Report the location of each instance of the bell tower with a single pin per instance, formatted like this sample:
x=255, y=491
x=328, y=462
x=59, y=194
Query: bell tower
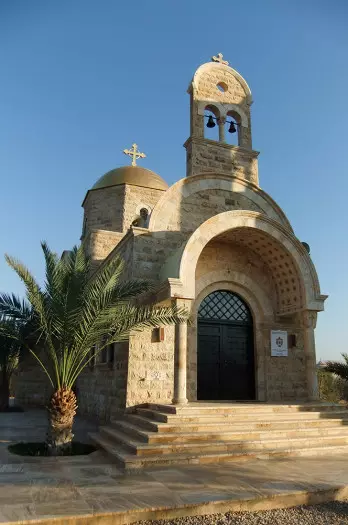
x=221, y=98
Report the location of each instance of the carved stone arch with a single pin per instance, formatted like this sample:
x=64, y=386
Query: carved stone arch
x=213, y=106
x=171, y=201
x=224, y=110
x=143, y=206
x=290, y=249
x=142, y=216
x=257, y=300
x=216, y=69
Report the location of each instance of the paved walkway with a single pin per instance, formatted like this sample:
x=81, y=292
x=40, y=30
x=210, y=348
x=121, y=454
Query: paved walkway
x=92, y=488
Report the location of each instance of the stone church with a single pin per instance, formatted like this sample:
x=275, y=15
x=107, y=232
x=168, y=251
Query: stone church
x=219, y=245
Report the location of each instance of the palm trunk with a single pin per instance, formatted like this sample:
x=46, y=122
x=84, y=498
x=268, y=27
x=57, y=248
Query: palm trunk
x=61, y=410
x=4, y=390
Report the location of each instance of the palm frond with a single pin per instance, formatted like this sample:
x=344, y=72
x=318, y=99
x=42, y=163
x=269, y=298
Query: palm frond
x=119, y=325
x=34, y=294
x=13, y=306
x=10, y=345
x=76, y=311
x=340, y=369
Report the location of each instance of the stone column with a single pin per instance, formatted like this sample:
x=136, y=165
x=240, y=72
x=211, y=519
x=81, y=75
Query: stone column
x=309, y=323
x=180, y=360
x=221, y=124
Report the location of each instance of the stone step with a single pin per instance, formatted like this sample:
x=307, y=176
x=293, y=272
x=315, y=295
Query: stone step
x=237, y=418
x=147, y=449
x=145, y=423
x=145, y=436
x=117, y=437
x=239, y=408
x=114, y=450
x=131, y=462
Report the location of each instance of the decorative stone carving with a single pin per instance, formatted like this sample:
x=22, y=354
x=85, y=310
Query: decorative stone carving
x=310, y=319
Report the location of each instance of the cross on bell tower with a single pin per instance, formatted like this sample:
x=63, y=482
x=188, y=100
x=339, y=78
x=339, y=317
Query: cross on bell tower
x=219, y=58
x=134, y=153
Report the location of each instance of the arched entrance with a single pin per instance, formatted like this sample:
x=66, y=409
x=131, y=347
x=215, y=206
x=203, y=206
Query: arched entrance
x=225, y=349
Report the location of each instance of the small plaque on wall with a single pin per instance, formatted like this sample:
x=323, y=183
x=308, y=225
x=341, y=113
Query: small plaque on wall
x=279, y=343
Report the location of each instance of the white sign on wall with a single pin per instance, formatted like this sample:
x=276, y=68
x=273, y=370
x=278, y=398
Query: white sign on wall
x=279, y=343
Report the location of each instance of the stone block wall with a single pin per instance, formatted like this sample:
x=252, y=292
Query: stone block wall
x=198, y=207
x=151, y=368
x=150, y=250
x=100, y=243
x=101, y=390
x=115, y=208
x=104, y=209
x=204, y=156
x=135, y=198
x=31, y=386
x=286, y=376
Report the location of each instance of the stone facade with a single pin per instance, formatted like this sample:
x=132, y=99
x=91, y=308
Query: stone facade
x=151, y=368
x=32, y=386
x=215, y=229
x=102, y=387
x=205, y=156
x=109, y=213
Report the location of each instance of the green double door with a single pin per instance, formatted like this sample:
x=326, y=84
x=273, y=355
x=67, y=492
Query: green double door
x=225, y=361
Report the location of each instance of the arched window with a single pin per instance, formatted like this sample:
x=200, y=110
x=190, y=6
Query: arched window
x=223, y=306
x=232, y=128
x=211, y=124
x=142, y=220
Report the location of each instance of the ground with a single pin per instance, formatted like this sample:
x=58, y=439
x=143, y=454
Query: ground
x=332, y=513
x=95, y=490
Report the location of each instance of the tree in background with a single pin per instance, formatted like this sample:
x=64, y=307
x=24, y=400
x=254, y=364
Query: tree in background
x=77, y=312
x=333, y=380
x=10, y=347
x=339, y=368
x=331, y=387
x=13, y=332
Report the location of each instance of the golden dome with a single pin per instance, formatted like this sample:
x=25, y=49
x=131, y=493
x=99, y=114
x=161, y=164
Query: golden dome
x=135, y=175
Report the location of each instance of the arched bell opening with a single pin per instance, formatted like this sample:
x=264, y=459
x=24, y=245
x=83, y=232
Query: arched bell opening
x=233, y=128
x=225, y=348
x=211, y=123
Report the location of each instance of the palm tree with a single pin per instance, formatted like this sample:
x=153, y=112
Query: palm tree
x=338, y=368
x=9, y=355
x=78, y=312
x=12, y=334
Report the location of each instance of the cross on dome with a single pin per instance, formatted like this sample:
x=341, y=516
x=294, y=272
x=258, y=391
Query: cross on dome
x=219, y=58
x=134, y=153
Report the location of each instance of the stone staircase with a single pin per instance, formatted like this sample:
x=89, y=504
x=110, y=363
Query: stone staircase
x=158, y=435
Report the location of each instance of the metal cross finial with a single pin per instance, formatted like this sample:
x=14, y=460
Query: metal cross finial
x=134, y=153
x=219, y=58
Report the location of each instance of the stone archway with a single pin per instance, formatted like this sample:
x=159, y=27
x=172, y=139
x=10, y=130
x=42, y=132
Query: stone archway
x=276, y=379
x=262, y=313
x=279, y=248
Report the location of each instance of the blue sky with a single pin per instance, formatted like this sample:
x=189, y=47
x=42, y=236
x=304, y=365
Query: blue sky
x=81, y=80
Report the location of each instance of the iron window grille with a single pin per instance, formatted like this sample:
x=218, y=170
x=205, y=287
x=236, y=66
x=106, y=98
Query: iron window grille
x=224, y=306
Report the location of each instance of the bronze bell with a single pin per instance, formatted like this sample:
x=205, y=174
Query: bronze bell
x=232, y=128
x=210, y=123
